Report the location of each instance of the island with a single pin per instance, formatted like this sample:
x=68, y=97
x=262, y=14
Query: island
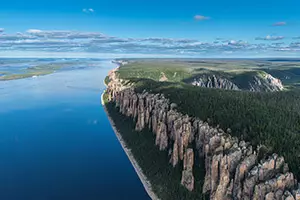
x=12, y=69
x=209, y=129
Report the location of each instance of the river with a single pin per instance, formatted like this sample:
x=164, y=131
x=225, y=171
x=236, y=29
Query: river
x=57, y=143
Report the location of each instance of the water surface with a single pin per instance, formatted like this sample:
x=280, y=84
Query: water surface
x=56, y=141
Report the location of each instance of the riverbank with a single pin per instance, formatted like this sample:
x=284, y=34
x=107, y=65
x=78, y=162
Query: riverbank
x=102, y=99
x=137, y=168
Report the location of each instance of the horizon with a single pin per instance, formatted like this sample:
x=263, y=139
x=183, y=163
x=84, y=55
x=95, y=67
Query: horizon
x=158, y=29
x=119, y=57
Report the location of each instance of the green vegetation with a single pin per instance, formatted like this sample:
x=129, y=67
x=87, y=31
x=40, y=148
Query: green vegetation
x=288, y=75
x=105, y=98
x=37, y=70
x=8, y=76
x=239, y=72
x=106, y=80
x=2, y=73
x=242, y=79
x=43, y=67
x=269, y=119
x=164, y=178
x=154, y=70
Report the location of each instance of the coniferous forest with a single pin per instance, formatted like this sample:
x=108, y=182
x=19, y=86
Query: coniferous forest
x=267, y=119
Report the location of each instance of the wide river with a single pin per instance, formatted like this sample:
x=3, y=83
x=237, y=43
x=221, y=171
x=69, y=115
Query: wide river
x=56, y=142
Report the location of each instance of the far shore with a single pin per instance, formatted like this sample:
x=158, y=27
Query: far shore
x=143, y=178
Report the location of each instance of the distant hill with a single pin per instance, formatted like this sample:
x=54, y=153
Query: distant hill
x=212, y=74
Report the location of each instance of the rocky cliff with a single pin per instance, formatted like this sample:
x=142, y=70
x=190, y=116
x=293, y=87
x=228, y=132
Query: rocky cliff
x=233, y=169
x=252, y=82
x=213, y=81
x=265, y=83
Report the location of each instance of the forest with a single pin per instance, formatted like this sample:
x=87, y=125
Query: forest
x=155, y=163
x=269, y=119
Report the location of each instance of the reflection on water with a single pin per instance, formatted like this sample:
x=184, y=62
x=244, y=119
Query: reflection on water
x=56, y=141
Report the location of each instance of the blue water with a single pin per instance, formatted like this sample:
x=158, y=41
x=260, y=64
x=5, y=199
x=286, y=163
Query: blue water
x=56, y=142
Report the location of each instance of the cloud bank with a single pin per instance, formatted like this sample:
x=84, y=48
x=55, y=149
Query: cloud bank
x=270, y=37
x=76, y=42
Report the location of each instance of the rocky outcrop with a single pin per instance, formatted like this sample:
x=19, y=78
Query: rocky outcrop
x=187, y=179
x=213, y=81
x=263, y=82
x=233, y=170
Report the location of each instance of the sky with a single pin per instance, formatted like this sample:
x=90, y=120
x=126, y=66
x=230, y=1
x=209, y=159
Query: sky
x=189, y=28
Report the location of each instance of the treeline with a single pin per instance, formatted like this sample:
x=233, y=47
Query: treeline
x=270, y=119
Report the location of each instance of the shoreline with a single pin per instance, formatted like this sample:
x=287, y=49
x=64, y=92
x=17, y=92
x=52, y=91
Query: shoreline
x=102, y=100
x=134, y=163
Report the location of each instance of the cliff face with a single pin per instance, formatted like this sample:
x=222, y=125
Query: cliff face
x=213, y=81
x=255, y=83
x=233, y=170
x=266, y=83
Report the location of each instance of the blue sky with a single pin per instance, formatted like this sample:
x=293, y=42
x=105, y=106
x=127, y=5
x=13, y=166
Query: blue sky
x=232, y=28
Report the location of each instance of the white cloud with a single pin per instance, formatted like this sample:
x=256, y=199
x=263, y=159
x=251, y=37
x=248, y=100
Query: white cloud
x=201, y=17
x=1, y=30
x=33, y=31
x=60, y=41
x=279, y=24
x=39, y=54
x=14, y=37
x=88, y=10
x=65, y=34
x=270, y=37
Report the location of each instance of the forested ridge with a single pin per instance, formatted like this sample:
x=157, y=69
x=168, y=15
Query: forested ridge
x=163, y=177
x=269, y=119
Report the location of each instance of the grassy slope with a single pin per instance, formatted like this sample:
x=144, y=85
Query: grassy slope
x=174, y=72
